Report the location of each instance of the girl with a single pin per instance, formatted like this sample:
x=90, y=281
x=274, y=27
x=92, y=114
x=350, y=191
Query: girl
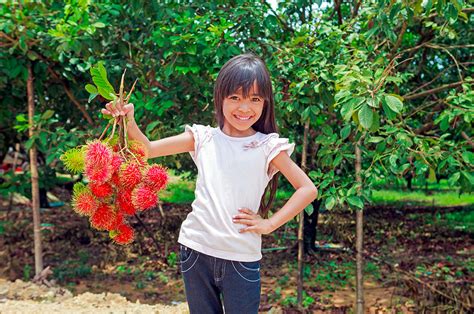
x=237, y=162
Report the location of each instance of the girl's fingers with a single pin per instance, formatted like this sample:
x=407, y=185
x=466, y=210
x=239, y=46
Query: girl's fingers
x=242, y=216
x=247, y=222
x=248, y=229
x=114, y=110
x=246, y=210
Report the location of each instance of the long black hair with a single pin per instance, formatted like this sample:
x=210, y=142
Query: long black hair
x=243, y=71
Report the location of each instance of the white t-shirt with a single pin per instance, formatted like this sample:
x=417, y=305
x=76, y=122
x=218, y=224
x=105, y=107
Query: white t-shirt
x=233, y=172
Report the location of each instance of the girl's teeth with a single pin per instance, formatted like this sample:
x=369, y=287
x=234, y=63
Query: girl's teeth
x=242, y=118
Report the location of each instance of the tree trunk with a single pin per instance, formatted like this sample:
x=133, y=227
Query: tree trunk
x=301, y=222
x=34, y=176
x=359, y=236
x=310, y=228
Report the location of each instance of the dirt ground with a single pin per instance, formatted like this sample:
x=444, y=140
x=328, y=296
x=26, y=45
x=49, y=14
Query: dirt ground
x=94, y=275
x=26, y=297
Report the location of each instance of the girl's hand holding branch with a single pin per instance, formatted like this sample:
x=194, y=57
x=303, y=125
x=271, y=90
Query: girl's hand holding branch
x=254, y=222
x=119, y=109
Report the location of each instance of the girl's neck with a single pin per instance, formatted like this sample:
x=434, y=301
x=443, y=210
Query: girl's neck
x=233, y=132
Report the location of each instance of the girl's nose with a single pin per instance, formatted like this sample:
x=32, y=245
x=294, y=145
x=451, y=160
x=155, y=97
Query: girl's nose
x=244, y=107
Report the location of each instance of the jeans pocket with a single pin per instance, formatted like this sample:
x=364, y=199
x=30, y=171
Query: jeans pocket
x=187, y=258
x=250, y=271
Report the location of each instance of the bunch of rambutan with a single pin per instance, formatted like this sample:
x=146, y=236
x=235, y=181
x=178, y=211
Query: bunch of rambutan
x=119, y=184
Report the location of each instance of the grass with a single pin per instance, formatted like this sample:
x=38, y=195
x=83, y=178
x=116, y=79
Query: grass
x=180, y=191
x=459, y=220
x=438, y=198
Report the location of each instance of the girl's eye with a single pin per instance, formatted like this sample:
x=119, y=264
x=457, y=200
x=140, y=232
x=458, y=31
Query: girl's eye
x=256, y=99
x=234, y=97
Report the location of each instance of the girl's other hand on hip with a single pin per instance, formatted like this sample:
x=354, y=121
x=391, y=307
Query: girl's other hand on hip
x=254, y=222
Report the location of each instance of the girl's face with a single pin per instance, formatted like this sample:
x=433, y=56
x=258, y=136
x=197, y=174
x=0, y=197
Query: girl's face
x=241, y=113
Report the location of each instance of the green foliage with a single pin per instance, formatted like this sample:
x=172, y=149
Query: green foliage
x=172, y=259
x=27, y=272
x=331, y=275
x=396, y=73
x=2, y=227
x=73, y=268
x=103, y=86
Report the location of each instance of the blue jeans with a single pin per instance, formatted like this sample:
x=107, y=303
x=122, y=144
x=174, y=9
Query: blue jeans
x=213, y=285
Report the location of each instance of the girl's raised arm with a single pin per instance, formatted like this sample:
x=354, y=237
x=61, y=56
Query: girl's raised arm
x=177, y=144
x=172, y=145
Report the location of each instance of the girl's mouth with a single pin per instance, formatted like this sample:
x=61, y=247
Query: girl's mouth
x=242, y=118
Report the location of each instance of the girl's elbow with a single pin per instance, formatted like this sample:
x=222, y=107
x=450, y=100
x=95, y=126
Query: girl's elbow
x=313, y=191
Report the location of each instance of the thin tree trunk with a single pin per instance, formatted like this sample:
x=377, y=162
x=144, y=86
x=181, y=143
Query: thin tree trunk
x=15, y=160
x=34, y=176
x=359, y=235
x=301, y=222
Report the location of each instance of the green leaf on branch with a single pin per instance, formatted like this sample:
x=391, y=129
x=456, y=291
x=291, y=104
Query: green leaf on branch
x=309, y=209
x=468, y=157
x=375, y=139
x=375, y=122
x=366, y=116
x=388, y=112
x=99, y=77
x=91, y=97
x=355, y=201
x=43, y=136
x=47, y=114
x=394, y=103
x=330, y=202
x=91, y=89
x=345, y=132
x=29, y=143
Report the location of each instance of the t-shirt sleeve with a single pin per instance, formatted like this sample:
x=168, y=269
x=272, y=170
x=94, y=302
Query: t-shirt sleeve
x=200, y=133
x=273, y=147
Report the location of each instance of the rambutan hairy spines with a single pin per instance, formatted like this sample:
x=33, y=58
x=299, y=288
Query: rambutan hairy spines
x=125, y=234
x=101, y=189
x=119, y=181
x=83, y=202
x=103, y=218
x=118, y=221
x=138, y=149
x=115, y=179
x=124, y=202
x=143, y=197
x=156, y=177
x=98, y=172
x=73, y=160
x=117, y=161
x=98, y=153
x=130, y=175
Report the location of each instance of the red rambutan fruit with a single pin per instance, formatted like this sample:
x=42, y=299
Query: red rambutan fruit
x=116, y=162
x=130, y=175
x=101, y=189
x=124, y=202
x=118, y=221
x=144, y=197
x=138, y=149
x=98, y=153
x=98, y=161
x=156, y=177
x=103, y=218
x=84, y=203
x=115, y=179
x=97, y=172
x=125, y=234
